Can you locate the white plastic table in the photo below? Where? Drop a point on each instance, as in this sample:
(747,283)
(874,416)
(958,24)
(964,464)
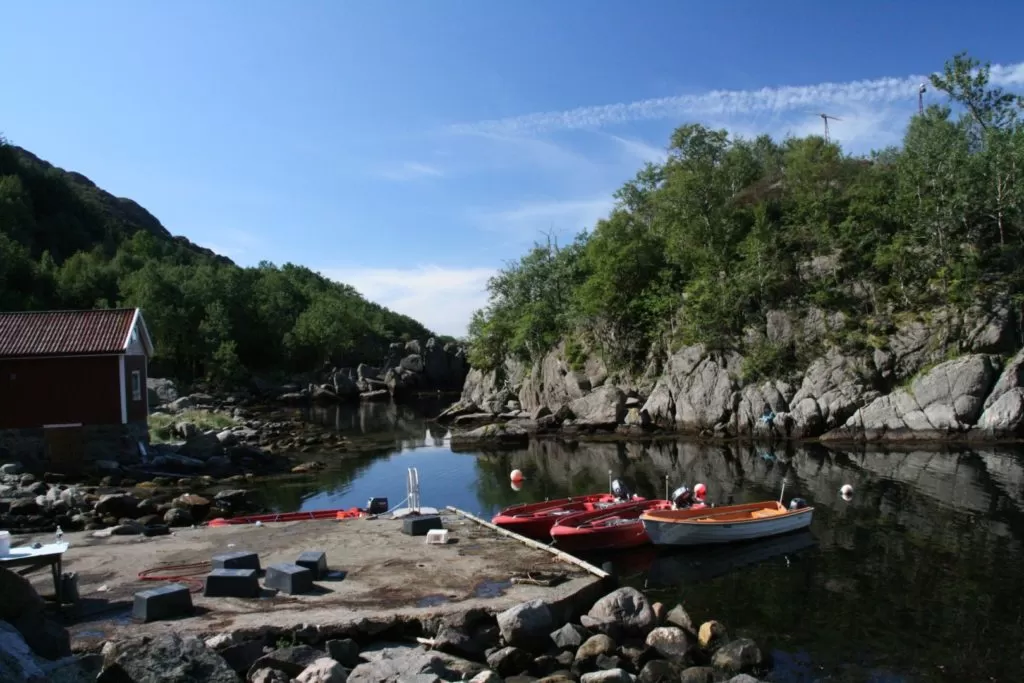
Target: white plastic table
(51,554)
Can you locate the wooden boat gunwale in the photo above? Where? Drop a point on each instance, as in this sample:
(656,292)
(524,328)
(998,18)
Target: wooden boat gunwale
(708,516)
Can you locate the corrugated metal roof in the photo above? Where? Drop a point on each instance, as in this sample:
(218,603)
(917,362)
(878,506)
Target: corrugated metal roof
(64,333)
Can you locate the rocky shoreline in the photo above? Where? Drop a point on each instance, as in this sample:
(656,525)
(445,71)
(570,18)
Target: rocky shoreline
(192,474)
(620,638)
(926,385)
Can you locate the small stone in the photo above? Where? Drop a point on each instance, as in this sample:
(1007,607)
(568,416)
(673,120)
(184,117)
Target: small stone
(712,635)
(678,616)
(594,646)
(659,612)
(697,674)
(739,656)
(509,660)
(323,670)
(486,677)
(671,642)
(659,671)
(609,676)
(569,637)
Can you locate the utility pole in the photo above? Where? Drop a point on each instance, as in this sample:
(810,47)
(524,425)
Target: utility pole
(920,98)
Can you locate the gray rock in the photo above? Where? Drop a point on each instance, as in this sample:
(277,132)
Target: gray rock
(944,401)
(401,664)
(323,670)
(179,405)
(509,661)
(595,646)
(166,658)
(659,671)
(492,435)
(288,660)
(527,624)
(1004,417)
(269,676)
(608,676)
(486,677)
(696,392)
(739,656)
(698,674)
(603,407)
(671,642)
(569,637)
(623,612)
(117,505)
(11,468)
(161,391)
(1011,378)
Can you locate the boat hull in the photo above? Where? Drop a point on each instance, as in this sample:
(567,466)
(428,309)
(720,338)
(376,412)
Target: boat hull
(534,520)
(614,528)
(687,533)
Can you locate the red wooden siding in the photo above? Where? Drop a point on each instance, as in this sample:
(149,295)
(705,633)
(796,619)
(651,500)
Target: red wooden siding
(34,392)
(138,411)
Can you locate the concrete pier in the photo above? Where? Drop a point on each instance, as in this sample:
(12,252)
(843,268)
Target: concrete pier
(375,571)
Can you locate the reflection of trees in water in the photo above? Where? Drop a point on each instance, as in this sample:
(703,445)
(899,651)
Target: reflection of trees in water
(919,569)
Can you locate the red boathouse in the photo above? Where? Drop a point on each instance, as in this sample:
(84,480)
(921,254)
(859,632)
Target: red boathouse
(73,386)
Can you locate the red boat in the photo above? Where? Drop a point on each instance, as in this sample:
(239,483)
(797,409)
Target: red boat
(534,520)
(612,529)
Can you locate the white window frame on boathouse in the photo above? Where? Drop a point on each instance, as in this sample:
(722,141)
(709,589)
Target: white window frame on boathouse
(136,385)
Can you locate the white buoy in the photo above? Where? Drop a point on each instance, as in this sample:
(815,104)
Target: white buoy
(517,475)
(846,491)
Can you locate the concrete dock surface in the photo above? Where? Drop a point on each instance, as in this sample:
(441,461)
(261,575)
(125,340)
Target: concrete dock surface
(376,571)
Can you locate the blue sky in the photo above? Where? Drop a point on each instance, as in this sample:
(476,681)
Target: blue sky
(412,147)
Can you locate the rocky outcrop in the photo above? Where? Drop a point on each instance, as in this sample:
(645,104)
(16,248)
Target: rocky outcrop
(627,640)
(934,376)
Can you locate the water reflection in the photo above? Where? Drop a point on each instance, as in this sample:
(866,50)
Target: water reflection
(916,578)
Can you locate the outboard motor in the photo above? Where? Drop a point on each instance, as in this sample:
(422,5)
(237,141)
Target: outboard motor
(797,504)
(682,497)
(620,490)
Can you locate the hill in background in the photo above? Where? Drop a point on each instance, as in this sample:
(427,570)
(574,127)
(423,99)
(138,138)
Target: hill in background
(67,244)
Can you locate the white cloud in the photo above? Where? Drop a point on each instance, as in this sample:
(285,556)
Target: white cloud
(727,103)
(531,220)
(410,170)
(640,150)
(441,298)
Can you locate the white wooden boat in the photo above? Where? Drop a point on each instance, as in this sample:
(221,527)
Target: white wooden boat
(725,524)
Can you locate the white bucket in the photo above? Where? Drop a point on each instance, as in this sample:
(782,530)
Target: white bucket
(5,542)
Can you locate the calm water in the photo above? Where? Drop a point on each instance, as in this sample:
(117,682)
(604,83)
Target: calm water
(920,577)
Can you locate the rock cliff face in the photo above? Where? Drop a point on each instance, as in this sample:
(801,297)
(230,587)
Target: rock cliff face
(939,376)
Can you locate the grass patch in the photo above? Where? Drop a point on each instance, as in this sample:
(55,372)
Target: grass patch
(161,424)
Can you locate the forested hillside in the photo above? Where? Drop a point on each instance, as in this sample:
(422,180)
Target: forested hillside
(65,243)
(700,248)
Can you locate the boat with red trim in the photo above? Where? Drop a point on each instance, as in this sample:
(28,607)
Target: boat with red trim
(618,527)
(534,520)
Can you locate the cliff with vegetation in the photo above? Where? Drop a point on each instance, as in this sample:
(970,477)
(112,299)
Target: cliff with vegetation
(65,243)
(848,297)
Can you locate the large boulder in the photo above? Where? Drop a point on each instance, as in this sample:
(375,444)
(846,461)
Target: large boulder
(696,392)
(624,612)
(944,401)
(166,658)
(22,608)
(603,407)
(526,625)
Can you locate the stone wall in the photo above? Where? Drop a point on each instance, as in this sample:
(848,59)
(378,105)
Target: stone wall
(118,443)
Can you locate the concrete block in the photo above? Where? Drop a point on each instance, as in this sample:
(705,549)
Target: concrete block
(377,506)
(289,578)
(232,583)
(165,602)
(315,561)
(237,560)
(419,526)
